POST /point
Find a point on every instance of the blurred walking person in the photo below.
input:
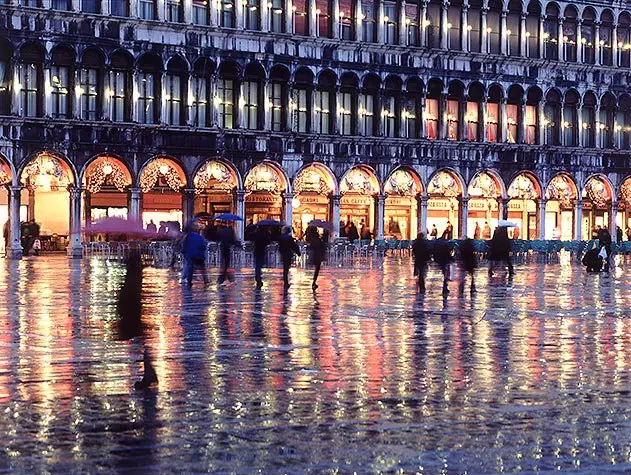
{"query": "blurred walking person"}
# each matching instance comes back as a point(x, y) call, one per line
point(260, 238)
point(499, 252)
point(318, 250)
point(194, 251)
point(604, 245)
point(441, 250)
point(422, 256)
point(227, 239)
point(288, 247)
point(468, 264)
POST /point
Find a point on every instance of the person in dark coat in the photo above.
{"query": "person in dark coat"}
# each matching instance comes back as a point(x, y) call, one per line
point(500, 248)
point(592, 261)
point(318, 250)
point(422, 256)
point(227, 239)
point(441, 250)
point(260, 239)
point(468, 264)
point(352, 234)
point(604, 241)
point(287, 247)
point(342, 228)
point(619, 234)
point(194, 251)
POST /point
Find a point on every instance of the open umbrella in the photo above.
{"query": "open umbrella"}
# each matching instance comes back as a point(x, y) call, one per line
point(118, 226)
point(269, 222)
point(228, 217)
point(320, 223)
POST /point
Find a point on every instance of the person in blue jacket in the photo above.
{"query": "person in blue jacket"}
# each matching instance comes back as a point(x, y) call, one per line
point(194, 251)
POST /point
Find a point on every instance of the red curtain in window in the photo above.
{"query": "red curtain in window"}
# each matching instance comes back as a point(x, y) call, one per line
point(531, 124)
point(512, 119)
point(472, 118)
point(431, 118)
point(452, 120)
point(301, 20)
point(493, 116)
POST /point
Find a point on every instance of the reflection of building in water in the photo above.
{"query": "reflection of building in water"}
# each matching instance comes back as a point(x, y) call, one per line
point(160, 129)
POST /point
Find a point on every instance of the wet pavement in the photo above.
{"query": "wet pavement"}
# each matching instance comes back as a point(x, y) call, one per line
point(530, 374)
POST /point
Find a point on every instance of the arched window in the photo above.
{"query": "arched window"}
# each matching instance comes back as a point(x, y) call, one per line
point(607, 115)
point(62, 82)
point(227, 87)
point(588, 36)
point(368, 105)
point(589, 120)
point(148, 86)
point(533, 101)
point(413, 23)
point(551, 32)
point(513, 22)
point(120, 87)
point(455, 97)
point(433, 25)
point(252, 93)
point(570, 119)
point(301, 100)
point(413, 112)
point(493, 113)
point(570, 28)
point(252, 14)
point(624, 122)
point(200, 12)
point(90, 85)
point(390, 112)
point(325, 102)
point(513, 113)
point(606, 38)
point(552, 114)
point(200, 92)
point(30, 80)
point(433, 108)
point(454, 18)
point(175, 91)
point(369, 21)
point(475, 100)
point(279, 77)
point(493, 22)
point(532, 29)
point(624, 40)
point(6, 53)
point(474, 29)
point(276, 16)
point(347, 103)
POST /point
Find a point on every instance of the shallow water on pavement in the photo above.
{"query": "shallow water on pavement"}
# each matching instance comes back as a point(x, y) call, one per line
point(529, 374)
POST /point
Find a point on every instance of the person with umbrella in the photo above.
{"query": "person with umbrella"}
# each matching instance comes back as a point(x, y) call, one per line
point(500, 247)
point(422, 256)
point(194, 251)
point(260, 239)
point(318, 249)
point(227, 239)
point(287, 247)
point(468, 264)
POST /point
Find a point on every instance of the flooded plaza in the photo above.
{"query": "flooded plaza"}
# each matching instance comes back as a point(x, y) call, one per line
point(529, 374)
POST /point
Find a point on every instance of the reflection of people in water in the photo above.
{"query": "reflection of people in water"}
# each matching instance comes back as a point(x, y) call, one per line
point(129, 309)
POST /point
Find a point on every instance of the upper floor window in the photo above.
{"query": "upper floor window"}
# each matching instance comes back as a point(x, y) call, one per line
point(453, 124)
point(199, 95)
point(410, 115)
point(531, 124)
point(251, 104)
point(346, 19)
point(390, 22)
point(369, 22)
point(146, 9)
point(492, 121)
point(323, 18)
point(252, 14)
point(300, 110)
point(322, 112)
point(89, 87)
point(389, 114)
point(119, 7)
point(28, 86)
point(59, 90)
point(346, 113)
point(119, 91)
point(90, 6)
point(472, 118)
point(412, 22)
point(147, 97)
point(173, 97)
point(512, 121)
point(431, 118)
point(300, 17)
point(227, 14)
point(60, 4)
point(277, 16)
point(5, 81)
point(225, 102)
point(174, 11)
point(200, 12)
point(366, 110)
point(276, 104)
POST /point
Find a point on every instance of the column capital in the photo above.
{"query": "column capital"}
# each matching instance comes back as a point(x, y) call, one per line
point(189, 191)
point(15, 189)
point(336, 198)
point(424, 199)
point(465, 200)
point(240, 194)
point(288, 195)
point(134, 191)
point(75, 190)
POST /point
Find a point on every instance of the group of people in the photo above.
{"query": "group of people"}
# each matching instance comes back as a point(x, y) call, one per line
point(349, 231)
point(194, 247)
point(30, 236)
point(166, 228)
point(447, 234)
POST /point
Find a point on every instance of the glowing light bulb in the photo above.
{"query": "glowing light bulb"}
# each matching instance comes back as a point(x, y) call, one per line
point(164, 169)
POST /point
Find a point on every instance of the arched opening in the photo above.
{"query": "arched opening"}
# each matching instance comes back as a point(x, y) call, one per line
point(561, 195)
point(6, 76)
point(493, 113)
point(402, 189)
point(513, 30)
point(433, 108)
point(624, 209)
point(347, 103)
point(597, 197)
point(475, 101)
point(533, 104)
point(61, 82)
point(607, 116)
point(552, 117)
point(443, 205)
point(225, 100)
point(251, 102)
point(570, 118)
point(589, 120)
point(47, 177)
point(485, 193)
point(149, 88)
point(5, 180)
point(200, 92)
point(523, 208)
point(570, 30)
point(90, 90)
point(215, 187)
point(532, 29)
point(588, 36)
point(474, 28)
point(106, 181)
point(455, 97)
point(390, 109)
point(453, 27)
point(413, 109)
point(433, 24)
point(31, 78)
point(368, 107)
point(300, 103)
point(175, 91)
point(325, 102)
point(161, 183)
point(551, 32)
point(514, 113)
point(623, 122)
point(358, 189)
point(606, 38)
point(279, 98)
point(265, 185)
point(624, 40)
point(121, 87)
point(493, 22)
point(313, 187)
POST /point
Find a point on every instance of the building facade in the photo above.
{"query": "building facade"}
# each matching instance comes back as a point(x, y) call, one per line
point(406, 116)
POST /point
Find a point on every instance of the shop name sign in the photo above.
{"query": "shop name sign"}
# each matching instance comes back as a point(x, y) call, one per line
point(438, 204)
point(356, 200)
point(264, 198)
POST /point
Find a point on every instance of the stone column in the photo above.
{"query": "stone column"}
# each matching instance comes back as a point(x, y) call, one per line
point(482, 119)
point(464, 216)
point(522, 123)
point(381, 26)
point(312, 17)
point(240, 211)
point(579, 41)
point(312, 111)
point(484, 39)
point(422, 218)
point(380, 202)
point(289, 17)
point(597, 132)
point(462, 126)
point(541, 209)
point(47, 103)
point(75, 249)
point(579, 124)
point(423, 25)
point(464, 32)
point(403, 27)
point(134, 205)
point(14, 246)
point(613, 219)
point(540, 39)
point(335, 215)
point(289, 212)
point(560, 41)
point(503, 36)
point(444, 31)
point(188, 205)
point(358, 20)
point(442, 120)
point(578, 219)
point(422, 118)
point(502, 209)
point(267, 105)
point(335, 20)
point(614, 46)
point(503, 125)
point(522, 34)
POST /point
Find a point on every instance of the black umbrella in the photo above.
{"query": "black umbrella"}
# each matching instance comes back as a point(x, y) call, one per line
point(269, 222)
